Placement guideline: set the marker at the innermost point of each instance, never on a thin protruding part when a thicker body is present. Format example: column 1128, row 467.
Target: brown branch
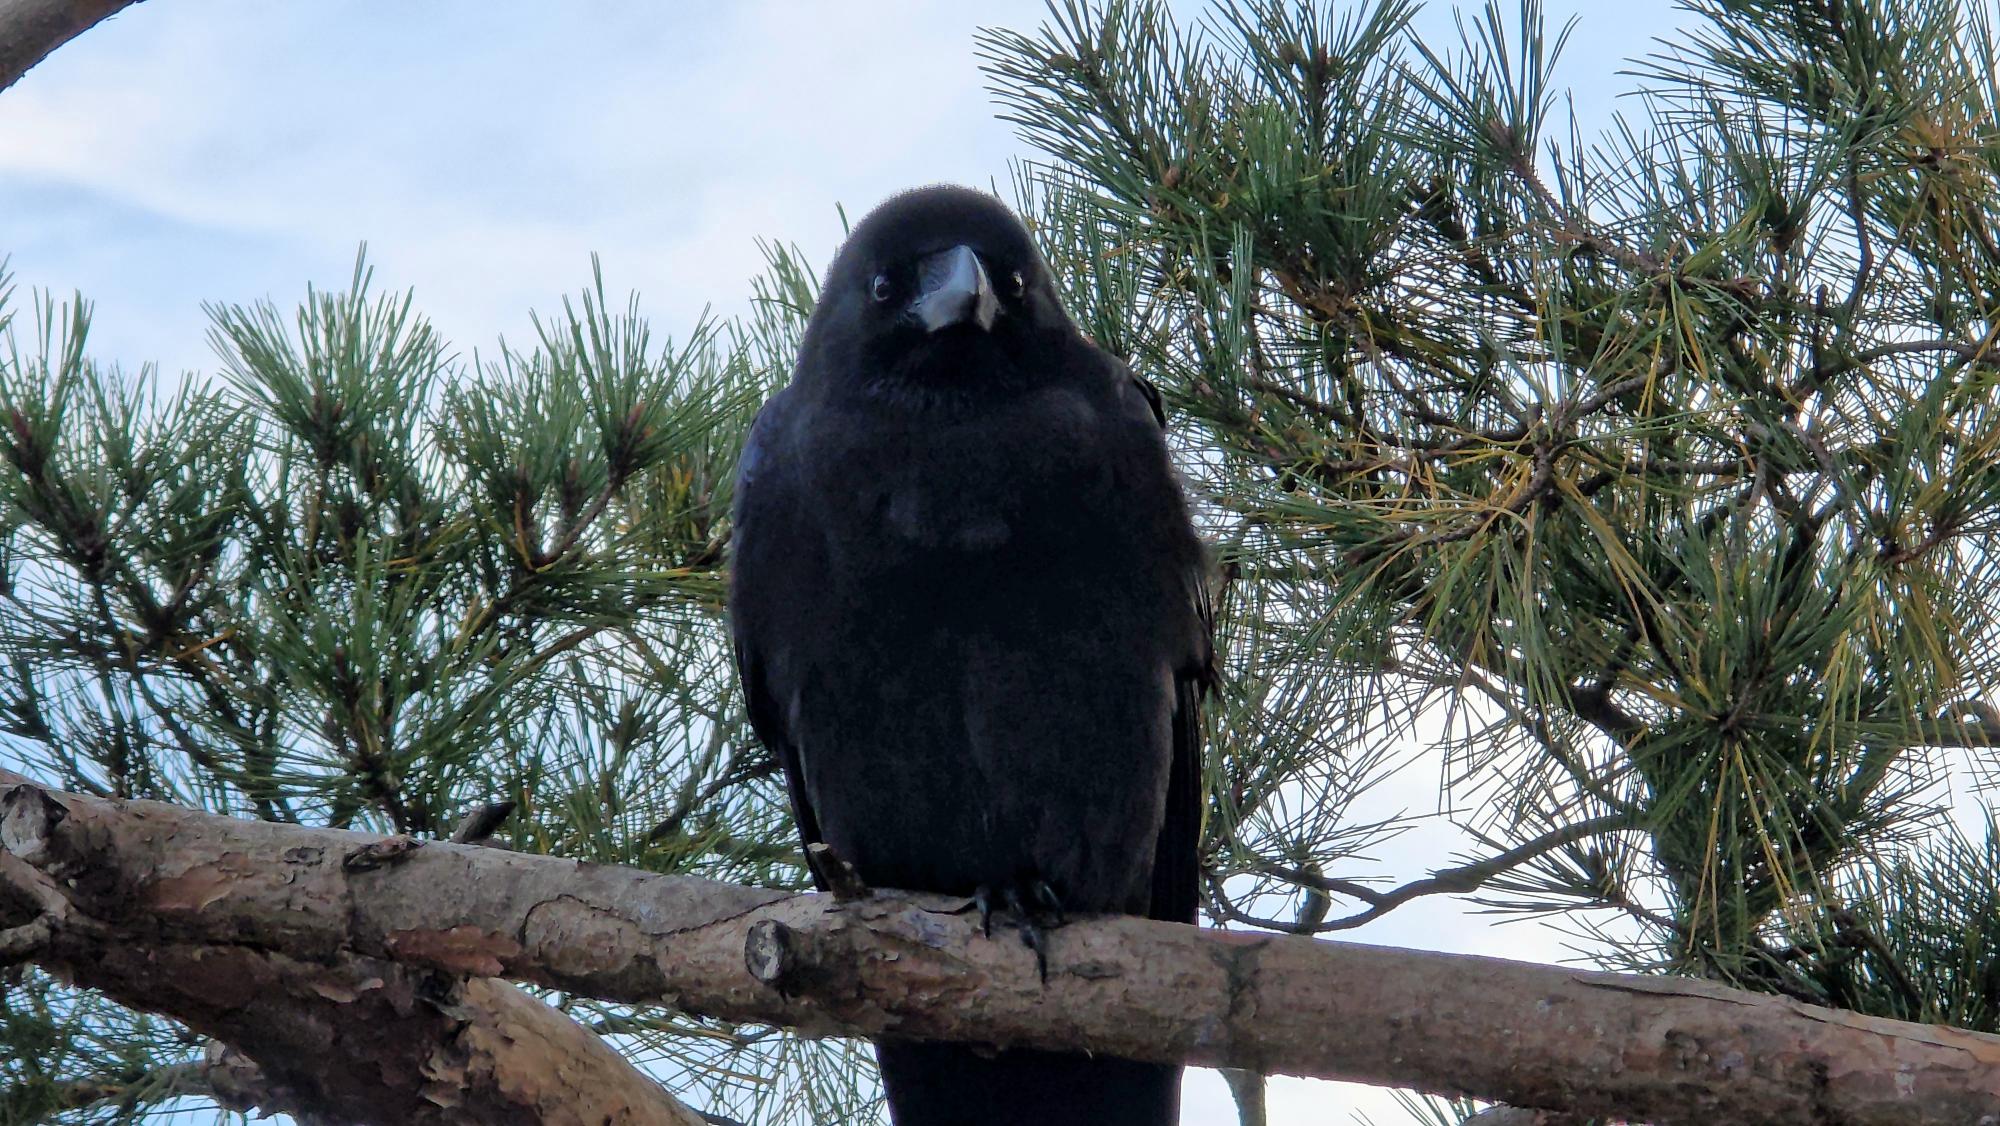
column 1573, row 227
column 1299, row 399
column 155, row 887
column 365, row 1040
column 335, row 1036
column 482, row 822
column 31, row 30
column 1979, row 353
column 1864, row 269
column 1437, row 208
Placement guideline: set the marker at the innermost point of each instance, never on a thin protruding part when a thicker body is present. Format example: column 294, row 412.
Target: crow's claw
column 1035, row 938
column 982, row 897
column 1046, row 901
column 1036, row 911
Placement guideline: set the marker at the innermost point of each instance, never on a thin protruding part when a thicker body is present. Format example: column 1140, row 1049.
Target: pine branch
column 1458, row 880
column 159, row 885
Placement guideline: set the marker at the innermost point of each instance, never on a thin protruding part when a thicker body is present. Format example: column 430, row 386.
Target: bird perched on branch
column 970, row 614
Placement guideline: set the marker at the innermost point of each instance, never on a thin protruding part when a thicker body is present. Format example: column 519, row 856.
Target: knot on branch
column 807, row 960
column 380, row 854
column 33, row 906
column 768, row 953
column 29, row 818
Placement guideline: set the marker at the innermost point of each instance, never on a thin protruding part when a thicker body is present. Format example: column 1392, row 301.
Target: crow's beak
column 952, row 288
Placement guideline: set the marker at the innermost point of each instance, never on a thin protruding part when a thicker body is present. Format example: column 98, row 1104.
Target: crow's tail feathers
column 947, row 1085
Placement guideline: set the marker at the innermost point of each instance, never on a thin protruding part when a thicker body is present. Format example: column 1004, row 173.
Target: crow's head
column 934, row 284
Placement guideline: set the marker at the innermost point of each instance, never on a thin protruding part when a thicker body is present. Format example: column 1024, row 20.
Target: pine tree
column 1662, row 463
column 1649, row 479
column 359, row 582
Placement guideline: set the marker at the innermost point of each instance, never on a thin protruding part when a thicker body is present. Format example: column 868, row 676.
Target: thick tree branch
column 151, row 885
column 334, row 1036
column 31, row 30
column 365, row 1040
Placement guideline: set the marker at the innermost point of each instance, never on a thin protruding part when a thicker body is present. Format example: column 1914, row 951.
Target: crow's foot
column 1036, row 909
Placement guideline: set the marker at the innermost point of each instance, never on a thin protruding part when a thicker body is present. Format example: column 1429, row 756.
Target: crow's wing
column 1177, row 856
column 765, row 493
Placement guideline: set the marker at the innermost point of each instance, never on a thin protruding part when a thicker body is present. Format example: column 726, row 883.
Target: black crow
column 971, row 618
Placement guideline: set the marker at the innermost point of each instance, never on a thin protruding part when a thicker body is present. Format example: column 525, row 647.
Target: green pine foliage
column 1648, row 480
column 1667, row 458
column 359, row 581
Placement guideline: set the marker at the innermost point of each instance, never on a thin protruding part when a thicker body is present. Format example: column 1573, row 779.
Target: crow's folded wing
column 765, row 497
column 1177, row 856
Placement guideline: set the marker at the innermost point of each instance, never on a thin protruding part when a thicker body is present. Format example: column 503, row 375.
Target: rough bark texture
column 31, row 30
column 335, row 1036
column 151, row 878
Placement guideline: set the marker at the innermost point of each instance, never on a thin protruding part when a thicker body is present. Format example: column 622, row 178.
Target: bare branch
column 335, row 1036
column 209, row 897
column 1450, row 881
column 483, row 822
column 31, row 30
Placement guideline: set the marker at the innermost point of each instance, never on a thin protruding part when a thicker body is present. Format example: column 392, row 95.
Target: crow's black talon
column 1046, row 900
column 1029, row 926
column 1036, row 910
column 1022, row 921
column 982, row 896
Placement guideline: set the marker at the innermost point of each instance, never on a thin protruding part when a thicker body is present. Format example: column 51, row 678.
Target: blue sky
column 232, row 150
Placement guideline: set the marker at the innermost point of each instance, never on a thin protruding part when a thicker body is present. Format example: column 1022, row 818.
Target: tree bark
column 31, row 30
column 135, row 881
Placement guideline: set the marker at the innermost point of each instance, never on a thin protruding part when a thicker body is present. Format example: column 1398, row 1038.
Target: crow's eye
column 1016, row 284
column 882, row 289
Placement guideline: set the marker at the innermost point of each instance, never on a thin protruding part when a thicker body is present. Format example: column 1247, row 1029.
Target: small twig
column 1980, row 353
column 1853, row 930
column 1896, row 555
column 1441, row 212
column 1857, row 212
column 1452, row 881
column 483, row 822
column 738, row 772
column 1298, row 399
column 835, row 873
column 540, row 560
column 1576, row 230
